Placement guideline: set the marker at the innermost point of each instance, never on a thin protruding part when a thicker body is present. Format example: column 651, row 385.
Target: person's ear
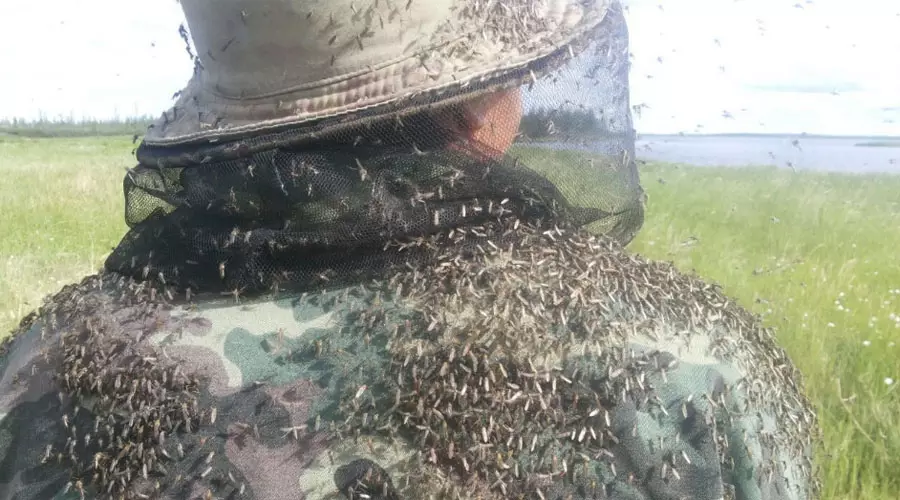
column 493, row 119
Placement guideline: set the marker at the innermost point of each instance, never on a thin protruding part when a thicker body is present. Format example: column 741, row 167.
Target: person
column 376, row 250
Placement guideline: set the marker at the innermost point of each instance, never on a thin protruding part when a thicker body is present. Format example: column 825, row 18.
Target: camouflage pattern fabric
column 555, row 365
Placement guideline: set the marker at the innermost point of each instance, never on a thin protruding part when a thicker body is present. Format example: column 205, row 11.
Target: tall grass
column 61, row 210
column 814, row 253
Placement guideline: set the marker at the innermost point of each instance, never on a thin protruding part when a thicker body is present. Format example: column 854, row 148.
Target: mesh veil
column 276, row 212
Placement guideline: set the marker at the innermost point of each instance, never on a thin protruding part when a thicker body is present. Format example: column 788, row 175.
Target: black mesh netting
column 275, row 212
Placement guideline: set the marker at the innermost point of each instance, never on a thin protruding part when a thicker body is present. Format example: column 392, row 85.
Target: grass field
column 815, row 254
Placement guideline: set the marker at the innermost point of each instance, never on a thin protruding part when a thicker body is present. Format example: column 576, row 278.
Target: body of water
column 834, row 154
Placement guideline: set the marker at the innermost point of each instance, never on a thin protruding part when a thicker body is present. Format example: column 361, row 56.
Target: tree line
column 544, row 123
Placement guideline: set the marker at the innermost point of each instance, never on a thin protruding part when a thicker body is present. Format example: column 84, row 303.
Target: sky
column 709, row 66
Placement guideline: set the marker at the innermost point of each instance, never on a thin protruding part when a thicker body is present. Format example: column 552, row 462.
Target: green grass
column 814, row 254
column 62, row 211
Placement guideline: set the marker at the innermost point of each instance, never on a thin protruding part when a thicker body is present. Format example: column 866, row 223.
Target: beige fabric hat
column 314, row 65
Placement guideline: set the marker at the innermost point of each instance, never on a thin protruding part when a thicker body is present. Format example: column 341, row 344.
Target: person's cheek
column 499, row 121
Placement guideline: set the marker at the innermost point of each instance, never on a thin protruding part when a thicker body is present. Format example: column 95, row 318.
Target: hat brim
column 203, row 115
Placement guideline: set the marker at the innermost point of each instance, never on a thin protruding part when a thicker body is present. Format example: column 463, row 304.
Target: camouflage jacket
column 563, row 368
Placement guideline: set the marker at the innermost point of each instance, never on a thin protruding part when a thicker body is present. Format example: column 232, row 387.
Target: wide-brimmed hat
column 315, row 65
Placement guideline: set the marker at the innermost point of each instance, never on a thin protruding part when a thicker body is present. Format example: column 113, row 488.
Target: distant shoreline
column 872, row 138
column 99, row 128
column 879, row 144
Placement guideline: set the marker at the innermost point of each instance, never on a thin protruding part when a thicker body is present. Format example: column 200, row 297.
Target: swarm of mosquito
column 119, row 398
column 495, row 385
column 363, row 478
column 516, row 427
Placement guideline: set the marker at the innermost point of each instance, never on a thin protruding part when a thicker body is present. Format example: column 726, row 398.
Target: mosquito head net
column 553, row 144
